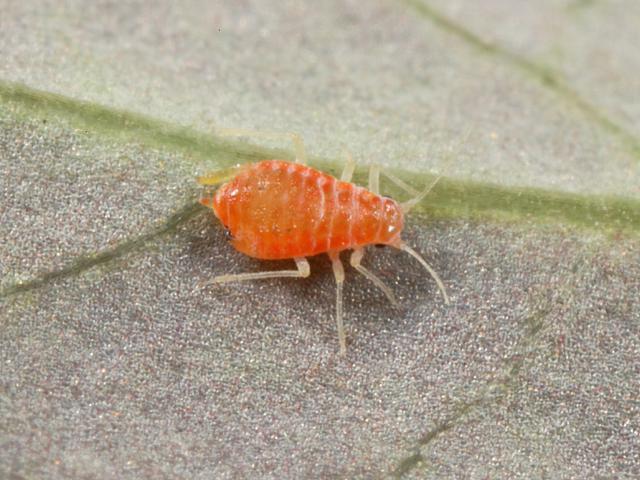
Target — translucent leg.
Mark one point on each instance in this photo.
(349, 167)
(374, 179)
(303, 271)
(218, 176)
(338, 273)
(356, 258)
(298, 144)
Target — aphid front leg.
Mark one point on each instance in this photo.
(356, 258)
(374, 182)
(218, 176)
(338, 273)
(298, 144)
(406, 207)
(418, 196)
(303, 271)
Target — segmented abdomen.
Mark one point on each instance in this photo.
(276, 209)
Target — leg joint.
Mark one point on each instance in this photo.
(303, 267)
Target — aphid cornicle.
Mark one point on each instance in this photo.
(276, 209)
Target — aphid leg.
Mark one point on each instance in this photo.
(356, 258)
(338, 273)
(403, 246)
(374, 179)
(303, 271)
(298, 144)
(349, 167)
(218, 176)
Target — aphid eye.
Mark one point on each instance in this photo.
(227, 233)
(380, 245)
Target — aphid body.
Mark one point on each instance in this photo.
(275, 209)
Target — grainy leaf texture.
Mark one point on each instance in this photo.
(114, 364)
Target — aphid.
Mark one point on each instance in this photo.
(275, 209)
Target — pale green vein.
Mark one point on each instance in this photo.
(127, 126)
(454, 199)
(488, 397)
(85, 262)
(542, 73)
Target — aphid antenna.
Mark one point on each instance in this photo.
(412, 202)
(409, 204)
(406, 248)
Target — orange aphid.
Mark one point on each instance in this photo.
(277, 209)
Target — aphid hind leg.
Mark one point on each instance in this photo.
(298, 144)
(303, 271)
(338, 273)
